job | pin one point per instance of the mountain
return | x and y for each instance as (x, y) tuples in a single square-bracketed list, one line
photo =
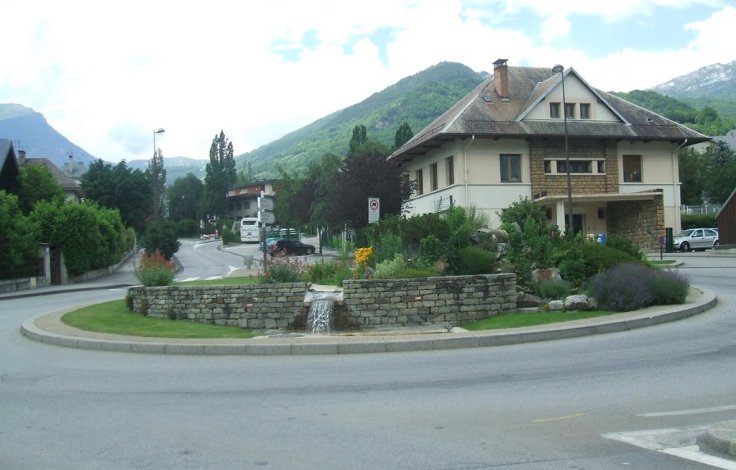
[(711, 81), (29, 131), (713, 86), (416, 99), (176, 167)]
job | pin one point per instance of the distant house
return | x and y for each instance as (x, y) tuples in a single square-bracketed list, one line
[(242, 200), (8, 167), (506, 140), (726, 221), (72, 188)]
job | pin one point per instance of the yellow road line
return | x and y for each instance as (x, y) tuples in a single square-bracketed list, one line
[(559, 418)]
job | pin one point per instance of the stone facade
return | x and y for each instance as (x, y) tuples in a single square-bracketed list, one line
[(366, 304), (639, 221), (541, 149)]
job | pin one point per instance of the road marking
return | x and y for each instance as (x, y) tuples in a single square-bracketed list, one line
[(188, 279), (671, 441), (559, 418), (695, 411)]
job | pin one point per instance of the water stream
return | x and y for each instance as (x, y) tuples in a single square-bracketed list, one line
[(319, 320)]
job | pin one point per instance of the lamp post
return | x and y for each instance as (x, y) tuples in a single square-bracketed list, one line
[(157, 131), (559, 69)]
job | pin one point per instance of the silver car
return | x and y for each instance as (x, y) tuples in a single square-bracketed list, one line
[(696, 239)]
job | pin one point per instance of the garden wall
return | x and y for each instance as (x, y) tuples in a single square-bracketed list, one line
[(371, 303), (366, 303)]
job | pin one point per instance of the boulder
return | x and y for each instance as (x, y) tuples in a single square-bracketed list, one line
[(526, 300), (546, 274), (577, 302), (556, 306)]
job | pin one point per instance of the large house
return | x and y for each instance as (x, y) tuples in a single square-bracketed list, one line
[(242, 201), (513, 136)]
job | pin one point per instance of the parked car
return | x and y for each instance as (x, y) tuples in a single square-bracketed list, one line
[(696, 239), (269, 243), (290, 247)]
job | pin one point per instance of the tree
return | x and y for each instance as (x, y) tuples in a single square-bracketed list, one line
[(121, 188), (37, 183), (359, 138), (690, 163), (183, 196), (403, 134), (161, 235), (720, 171), (17, 239), (220, 175), (363, 176), (157, 174)]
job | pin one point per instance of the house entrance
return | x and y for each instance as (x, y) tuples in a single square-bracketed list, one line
[(578, 223)]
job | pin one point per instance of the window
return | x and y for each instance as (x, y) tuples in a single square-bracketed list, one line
[(554, 110), (510, 168), (450, 170), (419, 178), (584, 110), (433, 177), (632, 168), (580, 166), (570, 110)]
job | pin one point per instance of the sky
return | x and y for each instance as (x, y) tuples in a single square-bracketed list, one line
[(106, 74)]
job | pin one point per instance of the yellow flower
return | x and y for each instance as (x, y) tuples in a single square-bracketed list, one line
[(363, 255)]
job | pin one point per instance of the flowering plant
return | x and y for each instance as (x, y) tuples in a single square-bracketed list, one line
[(363, 256)]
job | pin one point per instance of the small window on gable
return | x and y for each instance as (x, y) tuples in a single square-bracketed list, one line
[(584, 110), (632, 168), (554, 110)]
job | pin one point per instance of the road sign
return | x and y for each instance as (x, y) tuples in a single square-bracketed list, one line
[(266, 217), (265, 203), (374, 209)]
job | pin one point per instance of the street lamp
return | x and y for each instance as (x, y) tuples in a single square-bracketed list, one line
[(559, 69), (157, 131)]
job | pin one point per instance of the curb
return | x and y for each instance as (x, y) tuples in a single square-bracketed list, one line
[(722, 437), (66, 336)]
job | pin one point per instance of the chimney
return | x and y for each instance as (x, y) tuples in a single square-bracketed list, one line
[(21, 157), (501, 78)]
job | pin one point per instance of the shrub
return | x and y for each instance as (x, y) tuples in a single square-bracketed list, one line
[(630, 286), (622, 288), (324, 272), (386, 247), (622, 243), (553, 289), (285, 270), (599, 258), (475, 260), (697, 220), (390, 268), (155, 270), (426, 271), (161, 236), (229, 237), (431, 249), (669, 287)]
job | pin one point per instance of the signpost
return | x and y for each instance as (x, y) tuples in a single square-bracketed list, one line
[(374, 209), (265, 217)]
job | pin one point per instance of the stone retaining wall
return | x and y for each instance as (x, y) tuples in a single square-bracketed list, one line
[(374, 303), (370, 303), (256, 307)]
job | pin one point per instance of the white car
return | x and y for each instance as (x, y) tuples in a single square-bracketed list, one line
[(696, 239)]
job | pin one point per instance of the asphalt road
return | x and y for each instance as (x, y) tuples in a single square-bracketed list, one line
[(622, 400)]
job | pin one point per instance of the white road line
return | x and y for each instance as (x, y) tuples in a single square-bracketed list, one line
[(662, 440), (695, 411), (188, 279)]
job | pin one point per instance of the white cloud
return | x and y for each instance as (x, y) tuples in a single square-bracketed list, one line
[(106, 75)]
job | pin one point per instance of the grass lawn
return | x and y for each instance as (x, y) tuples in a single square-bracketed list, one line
[(519, 319), (114, 317)]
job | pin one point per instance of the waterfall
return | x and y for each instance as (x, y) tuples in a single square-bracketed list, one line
[(319, 320)]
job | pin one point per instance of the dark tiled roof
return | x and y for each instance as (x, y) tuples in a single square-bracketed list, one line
[(484, 113), (8, 166)]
